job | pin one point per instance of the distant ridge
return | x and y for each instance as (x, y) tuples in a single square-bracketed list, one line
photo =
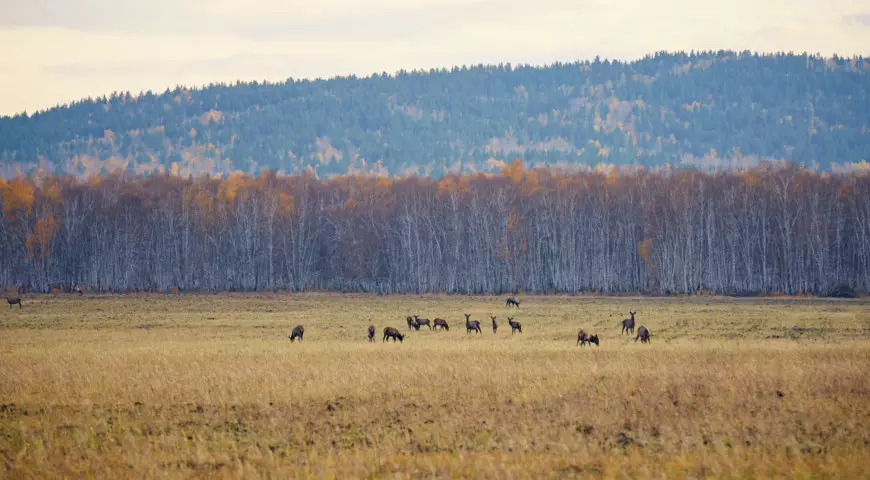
[(712, 110)]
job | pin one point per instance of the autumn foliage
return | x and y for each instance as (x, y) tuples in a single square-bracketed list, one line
[(775, 228)]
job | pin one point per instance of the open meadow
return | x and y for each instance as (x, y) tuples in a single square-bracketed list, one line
[(210, 386)]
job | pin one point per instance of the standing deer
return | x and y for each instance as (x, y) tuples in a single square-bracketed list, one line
[(642, 334), (440, 322), (512, 301), (494, 324), (390, 332), (13, 301), (583, 338), (298, 332), (515, 326), (422, 321), (628, 324), (471, 325), (371, 333), (412, 324)]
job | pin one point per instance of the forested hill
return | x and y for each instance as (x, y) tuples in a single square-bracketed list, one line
[(713, 110)]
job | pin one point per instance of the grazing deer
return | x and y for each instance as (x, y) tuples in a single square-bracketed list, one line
[(371, 333), (512, 301), (298, 332), (440, 322), (515, 326), (494, 323), (412, 324), (13, 301), (583, 338), (471, 325), (628, 324), (421, 322), (642, 334), (390, 332)]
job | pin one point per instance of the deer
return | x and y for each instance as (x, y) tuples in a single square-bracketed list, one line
[(642, 334), (440, 322), (583, 338), (13, 301), (628, 324), (471, 325), (494, 324), (515, 326), (298, 332), (512, 301), (371, 333), (390, 332), (412, 324), (422, 321)]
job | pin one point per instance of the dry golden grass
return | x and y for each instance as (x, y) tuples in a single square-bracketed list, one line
[(210, 386)]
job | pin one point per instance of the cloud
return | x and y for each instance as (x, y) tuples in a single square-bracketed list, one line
[(862, 19), (278, 20)]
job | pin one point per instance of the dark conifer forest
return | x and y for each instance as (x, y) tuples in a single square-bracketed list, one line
[(711, 109)]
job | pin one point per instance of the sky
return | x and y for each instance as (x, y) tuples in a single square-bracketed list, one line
[(57, 51)]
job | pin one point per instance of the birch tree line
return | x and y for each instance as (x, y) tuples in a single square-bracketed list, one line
[(775, 228)]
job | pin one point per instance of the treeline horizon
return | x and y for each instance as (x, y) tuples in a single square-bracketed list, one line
[(711, 109), (776, 228)]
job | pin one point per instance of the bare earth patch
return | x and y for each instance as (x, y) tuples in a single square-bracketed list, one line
[(210, 386)]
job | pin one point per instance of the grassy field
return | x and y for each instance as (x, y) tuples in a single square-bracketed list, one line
[(210, 386)]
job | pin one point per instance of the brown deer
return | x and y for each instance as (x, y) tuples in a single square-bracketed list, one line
[(13, 301), (583, 338), (298, 332), (440, 322), (515, 326), (371, 333), (412, 324), (390, 332), (512, 301), (494, 324), (642, 334), (471, 325), (422, 321), (628, 324)]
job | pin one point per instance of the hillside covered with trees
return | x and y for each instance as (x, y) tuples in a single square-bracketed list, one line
[(773, 228), (713, 110)]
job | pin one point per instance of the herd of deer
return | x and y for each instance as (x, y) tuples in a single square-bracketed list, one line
[(415, 322)]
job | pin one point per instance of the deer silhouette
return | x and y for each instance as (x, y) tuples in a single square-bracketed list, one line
[(642, 334), (440, 322), (583, 338), (628, 324), (512, 301), (298, 332), (13, 301), (371, 333), (494, 323), (515, 326), (422, 321), (390, 332), (412, 324), (471, 325)]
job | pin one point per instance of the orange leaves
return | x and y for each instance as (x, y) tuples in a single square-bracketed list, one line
[(515, 171), (18, 195), (211, 116), (287, 203), (39, 242), (644, 249), (236, 183)]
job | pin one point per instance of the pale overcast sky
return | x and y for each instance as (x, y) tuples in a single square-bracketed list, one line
[(56, 51)]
